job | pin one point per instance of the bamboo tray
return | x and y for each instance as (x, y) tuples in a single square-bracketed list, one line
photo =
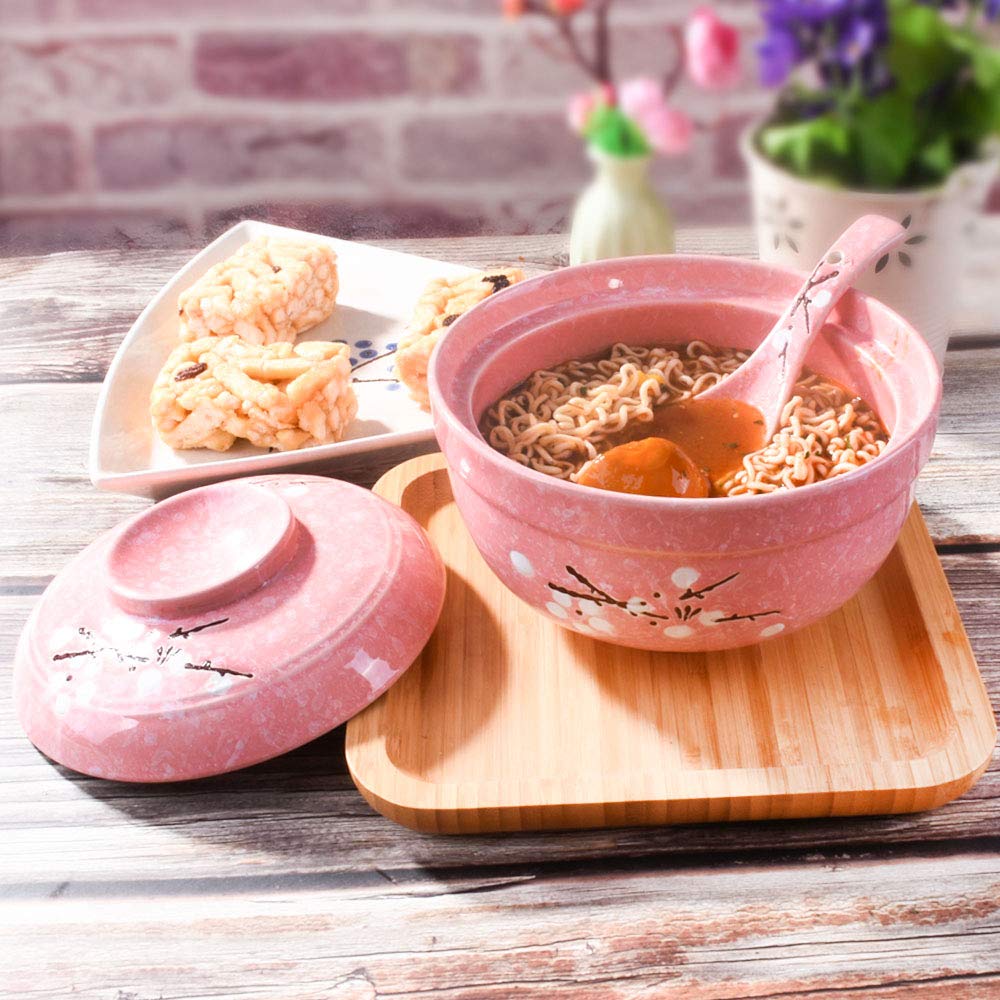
[(507, 722)]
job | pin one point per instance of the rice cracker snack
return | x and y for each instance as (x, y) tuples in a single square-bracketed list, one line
[(270, 290), (217, 389), (443, 301)]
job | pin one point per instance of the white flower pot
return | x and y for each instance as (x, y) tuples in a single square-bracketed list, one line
[(619, 214), (796, 220)]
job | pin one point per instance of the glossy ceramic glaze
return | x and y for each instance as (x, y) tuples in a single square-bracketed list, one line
[(767, 379), (678, 574), (225, 626)]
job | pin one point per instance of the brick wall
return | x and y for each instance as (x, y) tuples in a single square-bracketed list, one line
[(159, 122)]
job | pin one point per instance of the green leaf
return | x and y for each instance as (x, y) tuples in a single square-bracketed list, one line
[(986, 67), (809, 148), (974, 50), (885, 132), (936, 160), (973, 113), (612, 131), (920, 52)]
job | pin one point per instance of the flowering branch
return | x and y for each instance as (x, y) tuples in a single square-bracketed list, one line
[(561, 13), (554, 50), (602, 49), (565, 25), (676, 72), (633, 118)]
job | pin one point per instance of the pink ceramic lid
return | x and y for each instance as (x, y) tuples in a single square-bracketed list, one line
[(225, 626)]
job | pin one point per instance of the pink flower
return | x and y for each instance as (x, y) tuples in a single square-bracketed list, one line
[(565, 7), (668, 130), (712, 50), (513, 9), (579, 110), (640, 96)]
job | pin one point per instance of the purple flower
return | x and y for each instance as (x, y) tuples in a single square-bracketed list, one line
[(843, 37), (779, 54), (857, 41), (993, 9)]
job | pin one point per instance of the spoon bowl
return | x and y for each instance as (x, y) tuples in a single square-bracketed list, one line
[(767, 378)]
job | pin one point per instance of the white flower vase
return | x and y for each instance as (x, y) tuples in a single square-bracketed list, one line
[(796, 220), (619, 214)]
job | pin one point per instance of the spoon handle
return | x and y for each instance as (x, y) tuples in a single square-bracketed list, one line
[(768, 376)]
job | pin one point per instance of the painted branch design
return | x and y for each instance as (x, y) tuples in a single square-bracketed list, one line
[(221, 671), (700, 593), (93, 650), (164, 653), (680, 612), (183, 633), (371, 361), (804, 298)]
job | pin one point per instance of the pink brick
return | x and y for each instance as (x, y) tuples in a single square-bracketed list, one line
[(528, 70), (53, 79), (726, 155), (226, 151), (36, 160), (29, 11), (336, 66), (212, 10), (374, 220), (137, 156), (502, 147), (491, 8), (485, 8), (441, 64), (46, 232)]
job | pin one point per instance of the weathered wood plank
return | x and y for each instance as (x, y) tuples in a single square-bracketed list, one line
[(47, 428), (58, 511), (281, 881), (301, 815), (65, 314), (692, 933)]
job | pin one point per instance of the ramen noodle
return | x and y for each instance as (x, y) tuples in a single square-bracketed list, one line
[(561, 418)]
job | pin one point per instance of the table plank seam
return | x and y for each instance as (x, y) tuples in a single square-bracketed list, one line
[(497, 878), (876, 988)]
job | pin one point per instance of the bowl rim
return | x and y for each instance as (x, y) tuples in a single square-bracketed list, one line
[(896, 449)]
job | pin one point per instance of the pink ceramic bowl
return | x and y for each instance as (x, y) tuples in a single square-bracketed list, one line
[(678, 574)]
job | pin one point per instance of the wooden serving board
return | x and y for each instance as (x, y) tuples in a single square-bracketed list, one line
[(508, 722)]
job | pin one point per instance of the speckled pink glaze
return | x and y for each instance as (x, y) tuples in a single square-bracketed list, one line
[(678, 574), (225, 626)]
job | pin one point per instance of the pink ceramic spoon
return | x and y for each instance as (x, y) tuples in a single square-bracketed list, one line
[(766, 379)]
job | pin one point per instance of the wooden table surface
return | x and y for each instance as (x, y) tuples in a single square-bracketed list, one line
[(280, 881)]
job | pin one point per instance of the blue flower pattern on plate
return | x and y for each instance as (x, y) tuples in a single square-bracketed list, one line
[(366, 352)]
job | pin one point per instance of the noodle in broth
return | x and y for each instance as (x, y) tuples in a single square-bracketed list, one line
[(561, 418)]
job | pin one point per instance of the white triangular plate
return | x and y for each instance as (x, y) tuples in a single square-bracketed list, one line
[(378, 289)]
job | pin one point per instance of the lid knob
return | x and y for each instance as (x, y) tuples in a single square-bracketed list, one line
[(201, 549)]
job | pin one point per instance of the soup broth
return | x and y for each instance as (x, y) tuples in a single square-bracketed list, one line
[(565, 421)]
